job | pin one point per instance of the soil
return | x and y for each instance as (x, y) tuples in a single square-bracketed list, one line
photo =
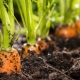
[(60, 61)]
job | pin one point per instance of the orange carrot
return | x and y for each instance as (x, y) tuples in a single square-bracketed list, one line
[(9, 61), (66, 32), (28, 49)]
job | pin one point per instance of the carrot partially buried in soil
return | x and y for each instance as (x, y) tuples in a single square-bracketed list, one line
[(28, 50), (66, 32), (9, 61)]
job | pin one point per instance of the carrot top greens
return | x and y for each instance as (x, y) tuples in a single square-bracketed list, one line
[(67, 11), (31, 26), (7, 19)]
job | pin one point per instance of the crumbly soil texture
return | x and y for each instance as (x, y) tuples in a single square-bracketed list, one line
[(61, 61)]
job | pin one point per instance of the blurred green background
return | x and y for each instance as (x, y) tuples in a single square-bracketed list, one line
[(63, 11)]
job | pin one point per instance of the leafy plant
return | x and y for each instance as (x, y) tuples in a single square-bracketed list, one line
[(66, 11), (25, 8), (31, 27), (7, 18), (45, 23)]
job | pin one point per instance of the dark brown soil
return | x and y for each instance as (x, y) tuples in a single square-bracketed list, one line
[(60, 61)]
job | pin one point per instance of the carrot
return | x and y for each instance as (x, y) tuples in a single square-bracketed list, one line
[(28, 50), (66, 32), (43, 45), (9, 61)]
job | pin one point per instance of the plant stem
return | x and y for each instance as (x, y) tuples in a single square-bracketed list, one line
[(61, 7), (6, 22), (43, 26), (25, 8), (30, 22), (66, 2), (10, 10), (41, 10)]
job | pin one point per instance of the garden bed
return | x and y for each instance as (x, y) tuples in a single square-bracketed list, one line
[(55, 58), (61, 61)]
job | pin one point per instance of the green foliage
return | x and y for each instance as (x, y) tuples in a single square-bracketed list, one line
[(6, 34), (44, 14), (37, 17), (25, 8), (66, 11), (33, 24)]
